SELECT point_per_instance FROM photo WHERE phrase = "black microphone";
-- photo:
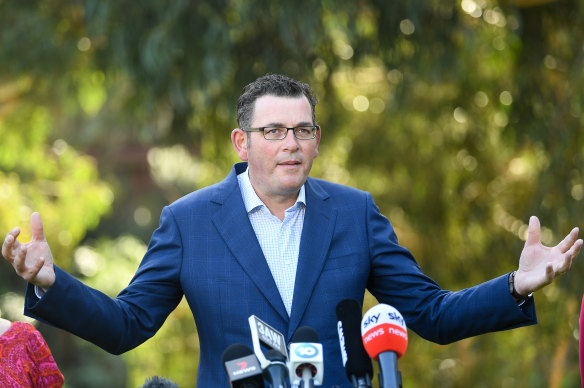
(276, 372)
(357, 363)
(306, 364)
(242, 367)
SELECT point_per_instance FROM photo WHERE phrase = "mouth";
(290, 163)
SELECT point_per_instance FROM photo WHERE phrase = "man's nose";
(290, 141)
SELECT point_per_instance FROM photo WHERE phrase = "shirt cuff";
(39, 292)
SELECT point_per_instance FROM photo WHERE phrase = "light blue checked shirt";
(279, 240)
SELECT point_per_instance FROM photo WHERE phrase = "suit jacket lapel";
(317, 232)
(233, 224)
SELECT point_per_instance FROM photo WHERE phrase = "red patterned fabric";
(26, 360)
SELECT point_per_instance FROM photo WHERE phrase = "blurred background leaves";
(462, 118)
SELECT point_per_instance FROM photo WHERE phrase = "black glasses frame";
(293, 129)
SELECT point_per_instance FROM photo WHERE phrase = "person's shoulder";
(23, 330)
(24, 327)
(334, 189)
(341, 197)
(202, 196)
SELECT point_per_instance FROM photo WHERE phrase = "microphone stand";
(361, 382)
(309, 384)
(307, 380)
(392, 377)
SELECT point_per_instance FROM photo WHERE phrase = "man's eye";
(272, 131)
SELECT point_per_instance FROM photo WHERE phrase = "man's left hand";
(539, 265)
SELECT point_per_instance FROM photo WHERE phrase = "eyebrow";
(279, 124)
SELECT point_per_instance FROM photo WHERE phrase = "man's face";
(278, 168)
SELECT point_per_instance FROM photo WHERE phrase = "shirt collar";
(250, 198)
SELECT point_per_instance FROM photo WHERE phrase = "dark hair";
(273, 85)
(159, 382)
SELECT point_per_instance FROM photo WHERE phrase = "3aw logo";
(306, 351)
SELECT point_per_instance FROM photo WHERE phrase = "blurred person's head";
(159, 382)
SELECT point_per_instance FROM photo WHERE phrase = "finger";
(36, 227)
(12, 235)
(568, 241)
(533, 232)
(10, 243)
(550, 274)
(575, 249)
(564, 265)
(14, 232)
(19, 261)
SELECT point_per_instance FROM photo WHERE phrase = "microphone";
(273, 362)
(242, 367)
(385, 338)
(276, 372)
(266, 335)
(306, 364)
(355, 359)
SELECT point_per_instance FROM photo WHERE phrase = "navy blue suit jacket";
(205, 249)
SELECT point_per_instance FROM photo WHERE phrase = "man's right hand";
(33, 260)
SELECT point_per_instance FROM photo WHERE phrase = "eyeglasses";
(305, 132)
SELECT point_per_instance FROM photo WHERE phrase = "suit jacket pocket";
(347, 260)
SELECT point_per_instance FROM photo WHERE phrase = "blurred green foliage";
(462, 118)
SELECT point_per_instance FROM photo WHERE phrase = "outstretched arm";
(33, 260)
(540, 265)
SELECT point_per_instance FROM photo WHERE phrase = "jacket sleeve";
(122, 323)
(433, 313)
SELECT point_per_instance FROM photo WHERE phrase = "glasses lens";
(304, 133)
(279, 133)
(275, 133)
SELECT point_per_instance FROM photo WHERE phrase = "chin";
(291, 187)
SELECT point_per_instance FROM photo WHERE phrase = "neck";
(278, 205)
(276, 202)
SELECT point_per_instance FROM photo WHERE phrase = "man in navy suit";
(273, 242)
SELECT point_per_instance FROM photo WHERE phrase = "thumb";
(36, 227)
(533, 232)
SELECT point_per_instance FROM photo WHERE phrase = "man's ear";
(239, 140)
(318, 134)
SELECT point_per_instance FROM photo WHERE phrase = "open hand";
(33, 260)
(539, 265)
